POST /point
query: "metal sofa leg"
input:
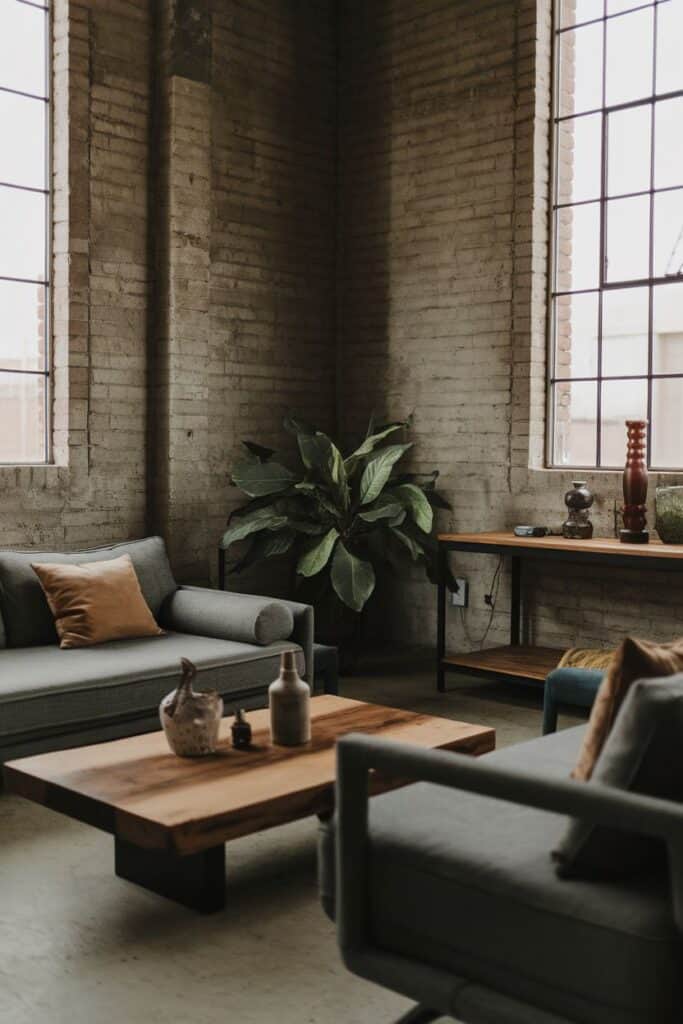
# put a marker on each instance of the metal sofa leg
(420, 1015)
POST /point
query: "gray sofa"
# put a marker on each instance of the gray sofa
(444, 891)
(52, 698)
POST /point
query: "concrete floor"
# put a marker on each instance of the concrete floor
(79, 946)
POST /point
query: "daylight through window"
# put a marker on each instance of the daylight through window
(616, 347)
(24, 232)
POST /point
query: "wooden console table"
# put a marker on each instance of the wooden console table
(516, 660)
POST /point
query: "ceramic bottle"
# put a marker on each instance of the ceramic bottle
(289, 700)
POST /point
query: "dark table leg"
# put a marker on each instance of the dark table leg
(197, 880)
(516, 602)
(441, 619)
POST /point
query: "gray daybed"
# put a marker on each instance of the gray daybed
(52, 698)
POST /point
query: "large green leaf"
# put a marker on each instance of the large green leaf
(417, 504)
(259, 478)
(317, 557)
(258, 451)
(265, 545)
(378, 470)
(295, 427)
(260, 519)
(319, 454)
(369, 445)
(352, 578)
(410, 543)
(385, 507)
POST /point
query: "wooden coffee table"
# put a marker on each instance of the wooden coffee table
(170, 816)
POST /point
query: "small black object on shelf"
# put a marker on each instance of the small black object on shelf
(241, 731)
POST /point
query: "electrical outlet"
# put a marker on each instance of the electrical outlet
(459, 597)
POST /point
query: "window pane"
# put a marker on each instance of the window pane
(578, 247)
(669, 234)
(22, 238)
(22, 417)
(669, 35)
(580, 79)
(575, 423)
(578, 156)
(23, 121)
(621, 400)
(22, 47)
(573, 12)
(667, 423)
(628, 152)
(576, 335)
(616, 6)
(669, 142)
(625, 315)
(629, 57)
(667, 327)
(22, 326)
(628, 238)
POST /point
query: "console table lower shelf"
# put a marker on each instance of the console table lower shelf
(517, 661)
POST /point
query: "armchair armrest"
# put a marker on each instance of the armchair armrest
(358, 755)
(245, 618)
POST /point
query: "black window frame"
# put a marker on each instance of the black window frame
(46, 192)
(604, 285)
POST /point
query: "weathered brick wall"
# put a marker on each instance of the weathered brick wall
(272, 300)
(194, 278)
(97, 491)
(443, 113)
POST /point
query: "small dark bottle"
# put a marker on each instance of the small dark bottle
(241, 732)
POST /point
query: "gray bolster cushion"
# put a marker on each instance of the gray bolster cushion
(242, 617)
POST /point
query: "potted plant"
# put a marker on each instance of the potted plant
(342, 518)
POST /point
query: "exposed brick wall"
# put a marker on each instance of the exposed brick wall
(443, 126)
(272, 299)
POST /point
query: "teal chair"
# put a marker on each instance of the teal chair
(575, 687)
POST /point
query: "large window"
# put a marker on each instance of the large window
(616, 334)
(24, 232)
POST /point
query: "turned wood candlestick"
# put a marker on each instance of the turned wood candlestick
(634, 512)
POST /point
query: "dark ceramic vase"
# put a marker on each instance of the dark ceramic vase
(578, 525)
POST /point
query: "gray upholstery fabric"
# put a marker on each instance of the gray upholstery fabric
(27, 617)
(643, 754)
(242, 617)
(3, 635)
(465, 883)
(51, 688)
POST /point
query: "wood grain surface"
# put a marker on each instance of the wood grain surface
(139, 791)
(597, 545)
(521, 660)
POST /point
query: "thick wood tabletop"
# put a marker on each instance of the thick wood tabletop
(607, 546)
(139, 791)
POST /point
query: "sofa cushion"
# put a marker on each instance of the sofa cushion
(243, 617)
(27, 617)
(465, 883)
(95, 602)
(50, 688)
(641, 754)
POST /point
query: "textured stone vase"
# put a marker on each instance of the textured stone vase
(189, 719)
(669, 510)
(289, 699)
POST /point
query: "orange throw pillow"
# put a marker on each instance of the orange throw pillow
(96, 601)
(634, 659)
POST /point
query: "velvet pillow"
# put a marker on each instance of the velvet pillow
(642, 754)
(96, 601)
(634, 659)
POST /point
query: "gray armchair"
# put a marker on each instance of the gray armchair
(444, 891)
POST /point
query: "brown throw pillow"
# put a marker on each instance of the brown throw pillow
(96, 601)
(634, 659)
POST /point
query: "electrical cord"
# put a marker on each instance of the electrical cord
(491, 598)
